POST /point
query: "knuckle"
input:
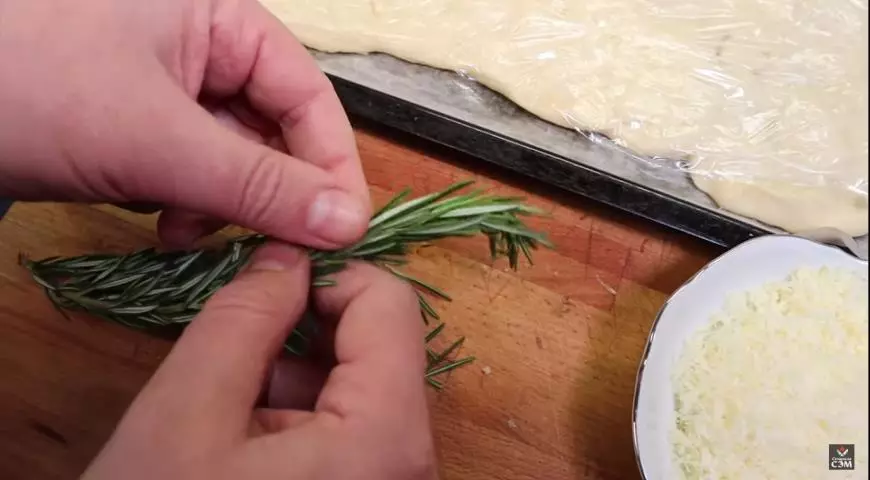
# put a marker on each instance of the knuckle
(234, 301)
(320, 87)
(261, 184)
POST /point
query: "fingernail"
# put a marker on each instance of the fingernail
(275, 258)
(337, 217)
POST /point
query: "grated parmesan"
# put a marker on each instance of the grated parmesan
(774, 379)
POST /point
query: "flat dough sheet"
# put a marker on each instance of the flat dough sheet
(763, 102)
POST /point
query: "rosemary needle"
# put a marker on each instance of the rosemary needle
(434, 383)
(434, 333)
(449, 367)
(149, 289)
(438, 358)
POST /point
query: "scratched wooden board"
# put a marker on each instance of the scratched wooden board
(560, 339)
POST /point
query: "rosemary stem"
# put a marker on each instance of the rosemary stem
(154, 290)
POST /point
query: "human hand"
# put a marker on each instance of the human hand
(175, 103)
(196, 418)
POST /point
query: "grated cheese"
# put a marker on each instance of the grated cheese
(774, 379)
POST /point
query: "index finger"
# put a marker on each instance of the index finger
(379, 349)
(253, 52)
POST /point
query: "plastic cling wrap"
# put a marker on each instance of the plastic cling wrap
(763, 103)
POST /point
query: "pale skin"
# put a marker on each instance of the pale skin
(212, 113)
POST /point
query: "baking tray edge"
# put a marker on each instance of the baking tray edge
(485, 145)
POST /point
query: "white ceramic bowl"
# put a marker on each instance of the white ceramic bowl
(747, 266)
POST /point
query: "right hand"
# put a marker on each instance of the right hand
(171, 104)
(198, 416)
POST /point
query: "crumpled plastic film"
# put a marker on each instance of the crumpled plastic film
(762, 102)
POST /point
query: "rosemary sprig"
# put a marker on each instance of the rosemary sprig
(154, 290)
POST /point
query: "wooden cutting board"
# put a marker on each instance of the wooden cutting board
(557, 343)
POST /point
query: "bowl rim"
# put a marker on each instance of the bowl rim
(656, 321)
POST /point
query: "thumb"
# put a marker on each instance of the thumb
(215, 372)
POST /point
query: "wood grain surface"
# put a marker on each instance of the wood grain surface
(557, 343)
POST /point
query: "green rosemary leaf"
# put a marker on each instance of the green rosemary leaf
(188, 261)
(161, 291)
(399, 210)
(199, 301)
(408, 222)
(392, 203)
(419, 283)
(140, 310)
(301, 336)
(481, 210)
(190, 283)
(446, 353)
(371, 238)
(45, 262)
(390, 260)
(158, 320)
(82, 262)
(449, 204)
(427, 310)
(512, 253)
(236, 266)
(236, 252)
(468, 232)
(149, 269)
(183, 318)
(375, 249)
(493, 246)
(113, 265)
(216, 271)
(418, 203)
(44, 283)
(293, 350)
(323, 270)
(140, 262)
(114, 283)
(435, 332)
(449, 367)
(450, 228)
(139, 289)
(331, 262)
(531, 211)
(59, 303)
(526, 253)
(434, 383)
(520, 231)
(89, 303)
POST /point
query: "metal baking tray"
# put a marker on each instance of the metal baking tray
(454, 111)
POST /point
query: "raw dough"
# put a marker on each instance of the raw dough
(767, 99)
